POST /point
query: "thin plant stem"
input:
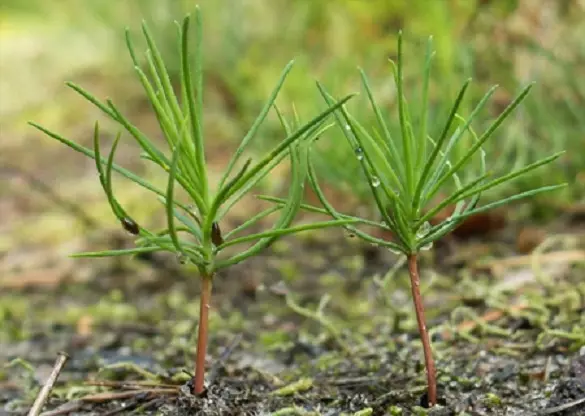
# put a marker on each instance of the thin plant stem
(422, 329)
(204, 305)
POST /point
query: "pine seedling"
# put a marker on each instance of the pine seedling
(193, 231)
(405, 174)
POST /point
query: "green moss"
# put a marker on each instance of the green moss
(492, 400)
(299, 386)
(395, 411)
(289, 270)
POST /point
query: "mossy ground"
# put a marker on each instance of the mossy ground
(344, 340)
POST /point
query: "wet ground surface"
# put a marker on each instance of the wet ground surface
(507, 336)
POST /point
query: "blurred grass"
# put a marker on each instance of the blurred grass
(247, 43)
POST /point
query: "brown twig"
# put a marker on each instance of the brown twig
(129, 385)
(422, 329)
(109, 396)
(65, 408)
(148, 405)
(563, 407)
(199, 379)
(46, 390)
(153, 394)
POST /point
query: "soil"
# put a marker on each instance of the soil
(128, 329)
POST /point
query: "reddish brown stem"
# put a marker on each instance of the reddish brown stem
(204, 305)
(422, 329)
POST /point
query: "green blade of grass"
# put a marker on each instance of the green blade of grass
(288, 212)
(332, 212)
(160, 107)
(164, 80)
(389, 141)
(221, 196)
(421, 155)
(423, 180)
(170, 198)
(371, 151)
(231, 201)
(442, 166)
(199, 64)
(130, 47)
(285, 231)
(473, 189)
(407, 138)
(256, 125)
(89, 97)
(247, 187)
(286, 143)
(505, 201)
(256, 218)
(486, 135)
(116, 206)
(374, 156)
(156, 155)
(194, 106)
(159, 158)
(192, 226)
(316, 210)
(116, 253)
(453, 198)
(169, 113)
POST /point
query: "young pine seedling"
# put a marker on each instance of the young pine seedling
(193, 232)
(406, 173)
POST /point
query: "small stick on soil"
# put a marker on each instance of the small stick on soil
(111, 396)
(148, 405)
(65, 409)
(129, 385)
(199, 379)
(422, 329)
(46, 390)
(563, 407)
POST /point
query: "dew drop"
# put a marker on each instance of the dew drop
(347, 127)
(423, 230)
(182, 258)
(427, 247)
(359, 152)
(375, 182)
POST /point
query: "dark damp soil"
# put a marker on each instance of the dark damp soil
(508, 335)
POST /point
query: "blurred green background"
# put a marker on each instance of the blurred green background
(246, 45)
